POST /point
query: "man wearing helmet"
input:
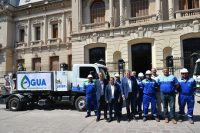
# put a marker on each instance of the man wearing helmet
(149, 95)
(89, 87)
(186, 95)
(140, 94)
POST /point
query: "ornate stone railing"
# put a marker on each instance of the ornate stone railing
(94, 26)
(54, 41)
(187, 13)
(37, 43)
(21, 45)
(142, 19)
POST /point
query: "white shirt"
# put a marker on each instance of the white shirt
(112, 90)
(155, 77)
(102, 86)
(129, 84)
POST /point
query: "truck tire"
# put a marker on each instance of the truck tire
(14, 104)
(80, 103)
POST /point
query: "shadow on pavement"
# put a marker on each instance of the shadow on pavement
(55, 106)
(196, 118)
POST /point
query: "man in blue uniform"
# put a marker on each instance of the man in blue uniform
(140, 94)
(186, 95)
(149, 95)
(168, 84)
(89, 87)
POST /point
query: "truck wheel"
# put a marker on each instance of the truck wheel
(80, 103)
(14, 104)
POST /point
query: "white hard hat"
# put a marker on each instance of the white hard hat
(116, 75)
(148, 72)
(140, 74)
(90, 76)
(184, 70)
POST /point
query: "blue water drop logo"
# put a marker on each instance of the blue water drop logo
(25, 83)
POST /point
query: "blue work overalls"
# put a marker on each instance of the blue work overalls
(186, 96)
(149, 96)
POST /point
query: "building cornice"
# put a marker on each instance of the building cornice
(155, 27)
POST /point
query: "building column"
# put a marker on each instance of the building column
(45, 30)
(171, 9)
(121, 6)
(128, 9)
(68, 29)
(29, 33)
(111, 12)
(158, 10)
(79, 14)
(199, 3)
(63, 28)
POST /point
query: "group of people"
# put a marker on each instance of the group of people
(139, 92)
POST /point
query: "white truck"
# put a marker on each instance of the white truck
(48, 87)
(196, 76)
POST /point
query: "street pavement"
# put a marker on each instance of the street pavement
(63, 119)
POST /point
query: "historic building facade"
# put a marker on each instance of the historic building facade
(142, 32)
(41, 34)
(36, 33)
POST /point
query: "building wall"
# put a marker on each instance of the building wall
(164, 36)
(58, 13)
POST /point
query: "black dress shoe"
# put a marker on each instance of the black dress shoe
(144, 119)
(97, 120)
(118, 120)
(88, 115)
(109, 120)
(140, 116)
(134, 118)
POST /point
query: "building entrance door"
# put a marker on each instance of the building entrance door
(141, 57)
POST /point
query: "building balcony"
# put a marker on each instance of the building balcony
(37, 43)
(20, 45)
(139, 20)
(95, 26)
(54, 41)
(188, 13)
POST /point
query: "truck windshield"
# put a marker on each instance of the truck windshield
(105, 72)
(197, 69)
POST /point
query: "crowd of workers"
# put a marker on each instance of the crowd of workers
(139, 92)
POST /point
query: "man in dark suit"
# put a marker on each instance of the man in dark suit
(129, 93)
(100, 93)
(113, 95)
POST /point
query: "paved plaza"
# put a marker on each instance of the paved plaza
(62, 119)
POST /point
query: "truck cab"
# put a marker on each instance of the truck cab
(81, 71)
(196, 76)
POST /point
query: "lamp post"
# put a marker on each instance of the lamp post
(121, 64)
(170, 63)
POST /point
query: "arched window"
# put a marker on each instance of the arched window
(139, 8)
(167, 52)
(97, 11)
(116, 57)
(188, 4)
